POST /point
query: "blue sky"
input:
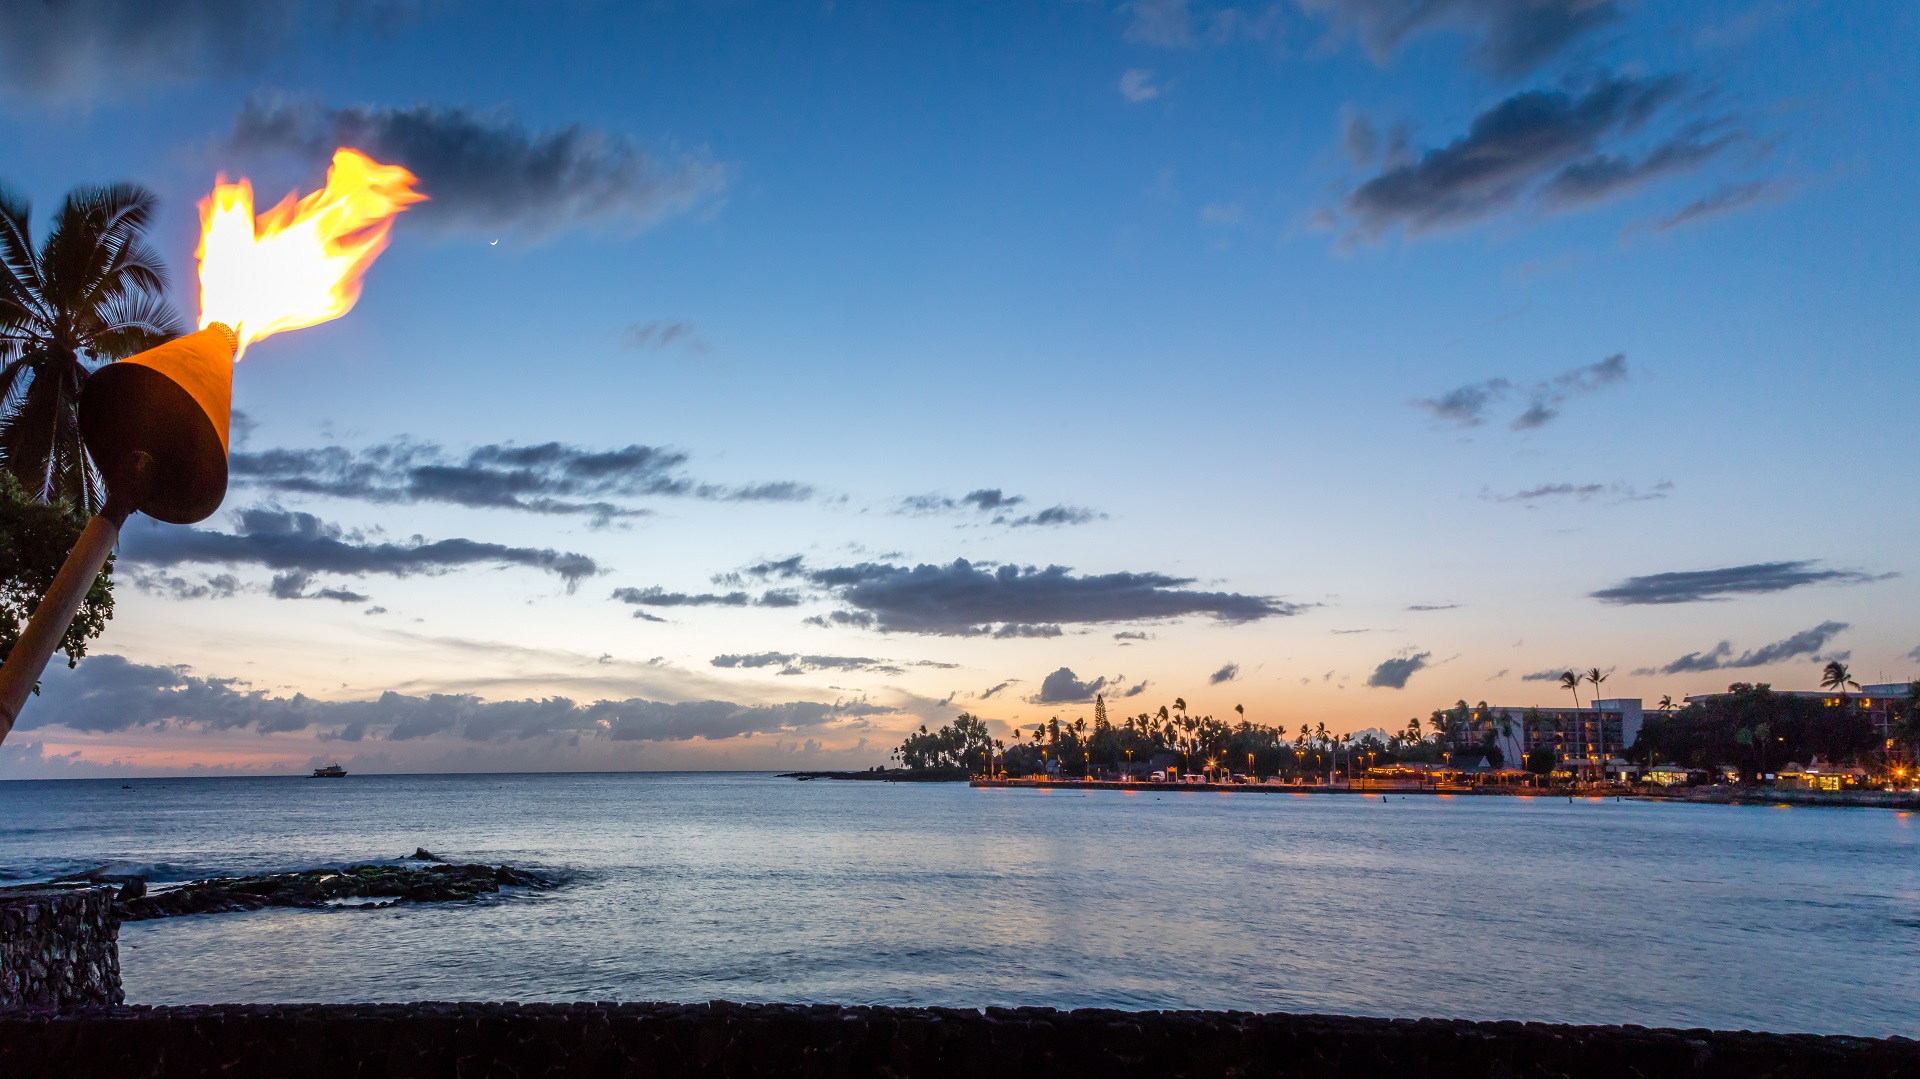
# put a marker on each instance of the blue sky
(1297, 318)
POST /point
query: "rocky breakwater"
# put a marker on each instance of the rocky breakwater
(59, 948)
(371, 885)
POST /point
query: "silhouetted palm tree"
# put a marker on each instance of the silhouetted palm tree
(93, 292)
(1599, 721)
(1571, 681)
(1666, 702)
(1836, 677)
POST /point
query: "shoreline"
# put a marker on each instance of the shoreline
(1897, 800)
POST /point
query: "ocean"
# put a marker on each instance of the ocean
(745, 886)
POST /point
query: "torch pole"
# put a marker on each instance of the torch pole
(50, 620)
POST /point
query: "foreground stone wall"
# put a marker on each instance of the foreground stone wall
(59, 948)
(666, 1040)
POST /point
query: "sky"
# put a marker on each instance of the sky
(762, 381)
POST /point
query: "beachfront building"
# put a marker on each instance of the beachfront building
(1821, 776)
(1883, 704)
(1588, 742)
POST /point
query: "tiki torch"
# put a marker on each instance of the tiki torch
(156, 423)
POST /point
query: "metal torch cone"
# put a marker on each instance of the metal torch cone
(156, 426)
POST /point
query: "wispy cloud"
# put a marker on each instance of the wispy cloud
(545, 478)
(1531, 497)
(660, 336)
(1513, 36)
(1227, 673)
(282, 540)
(1759, 578)
(1472, 405)
(1137, 86)
(1724, 199)
(1556, 150)
(1434, 607)
(1721, 657)
(994, 506)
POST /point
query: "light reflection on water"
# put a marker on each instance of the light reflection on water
(700, 886)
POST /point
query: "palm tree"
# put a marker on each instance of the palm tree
(1571, 681)
(1836, 677)
(1666, 702)
(1599, 721)
(93, 292)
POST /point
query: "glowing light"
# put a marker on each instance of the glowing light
(301, 262)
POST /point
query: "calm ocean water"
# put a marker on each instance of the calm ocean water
(748, 887)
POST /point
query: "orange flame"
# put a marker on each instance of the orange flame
(300, 264)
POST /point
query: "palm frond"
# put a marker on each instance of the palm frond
(135, 323)
(19, 263)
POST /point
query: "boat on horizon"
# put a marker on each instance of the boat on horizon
(331, 771)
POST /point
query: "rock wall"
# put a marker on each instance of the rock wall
(367, 1041)
(59, 948)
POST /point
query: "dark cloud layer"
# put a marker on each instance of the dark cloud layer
(110, 693)
(963, 599)
(547, 478)
(1559, 148)
(486, 171)
(1720, 656)
(1692, 586)
(1393, 673)
(1513, 36)
(1472, 404)
(282, 540)
(105, 48)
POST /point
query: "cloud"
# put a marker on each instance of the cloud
(1550, 675)
(1559, 148)
(963, 599)
(153, 582)
(659, 336)
(1062, 687)
(1434, 607)
(1466, 406)
(1724, 199)
(1470, 405)
(999, 688)
(1514, 36)
(1581, 492)
(1180, 24)
(1132, 635)
(487, 171)
(1720, 656)
(660, 597)
(546, 478)
(293, 585)
(994, 503)
(87, 49)
(1393, 673)
(1913, 655)
(1136, 85)
(111, 693)
(793, 663)
(1226, 673)
(1693, 586)
(282, 540)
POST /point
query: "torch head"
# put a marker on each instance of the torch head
(172, 403)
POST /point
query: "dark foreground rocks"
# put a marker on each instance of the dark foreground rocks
(369, 1041)
(434, 883)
